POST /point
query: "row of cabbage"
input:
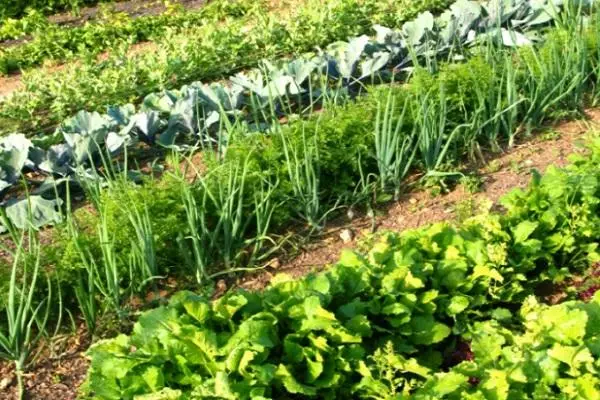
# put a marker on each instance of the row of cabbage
(197, 113)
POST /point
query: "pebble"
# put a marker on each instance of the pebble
(346, 235)
(350, 214)
(274, 263)
(5, 382)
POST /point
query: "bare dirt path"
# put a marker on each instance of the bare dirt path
(9, 84)
(59, 377)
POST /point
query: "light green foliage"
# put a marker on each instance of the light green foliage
(16, 8)
(109, 30)
(325, 335)
(25, 314)
(556, 356)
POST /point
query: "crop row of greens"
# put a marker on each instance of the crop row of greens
(205, 52)
(202, 114)
(225, 219)
(350, 154)
(387, 324)
(18, 8)
(50, 41)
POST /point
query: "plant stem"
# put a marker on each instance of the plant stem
(20, 385)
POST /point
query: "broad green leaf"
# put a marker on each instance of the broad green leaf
(523, 230)
(291, 384)
(153, 376)
(482, 270)
(496, 385)
(427, 331)
(164, 394)
(457, 305)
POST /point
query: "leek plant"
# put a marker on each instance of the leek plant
(496, 115)
(433, 140)
(102, 275)
(107, 271)
(223, 227)
(394, 147)
(556, 75)
(26, 318)
(85, 287)
(142, 258)
(302, 166)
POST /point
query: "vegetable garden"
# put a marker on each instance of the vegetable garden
(132, 193)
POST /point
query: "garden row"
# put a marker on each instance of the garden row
(226, 220)
(17, 8)
(98, 261)
(431, 313)
(204, 52)
(203, 115)
(256, 185)
(109, 31)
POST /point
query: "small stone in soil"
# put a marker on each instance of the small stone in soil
(274, 263)
(346, 235)
(5, 382)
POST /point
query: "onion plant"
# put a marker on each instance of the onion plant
(556, 75)
(142, 258)
(495, 117)
(394, 147)
(431, 127)
(227, 224)
(303, 168)
(108, 269)
(26, 317)
(85, 287)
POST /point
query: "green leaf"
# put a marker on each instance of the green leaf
(360, 325)
(501, 314)
(442, 384)
(457, 305)
(258, 330)
(428, 331)
(164, 394)
(349, 258)
(523, 230)
(34, 211)
(496, 385)
(227, 306)
(291, 384)
(482, 270)
(196, 306)
(153, 377)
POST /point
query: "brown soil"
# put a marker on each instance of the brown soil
(9, 84)
(133, 8)
(59, 377)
